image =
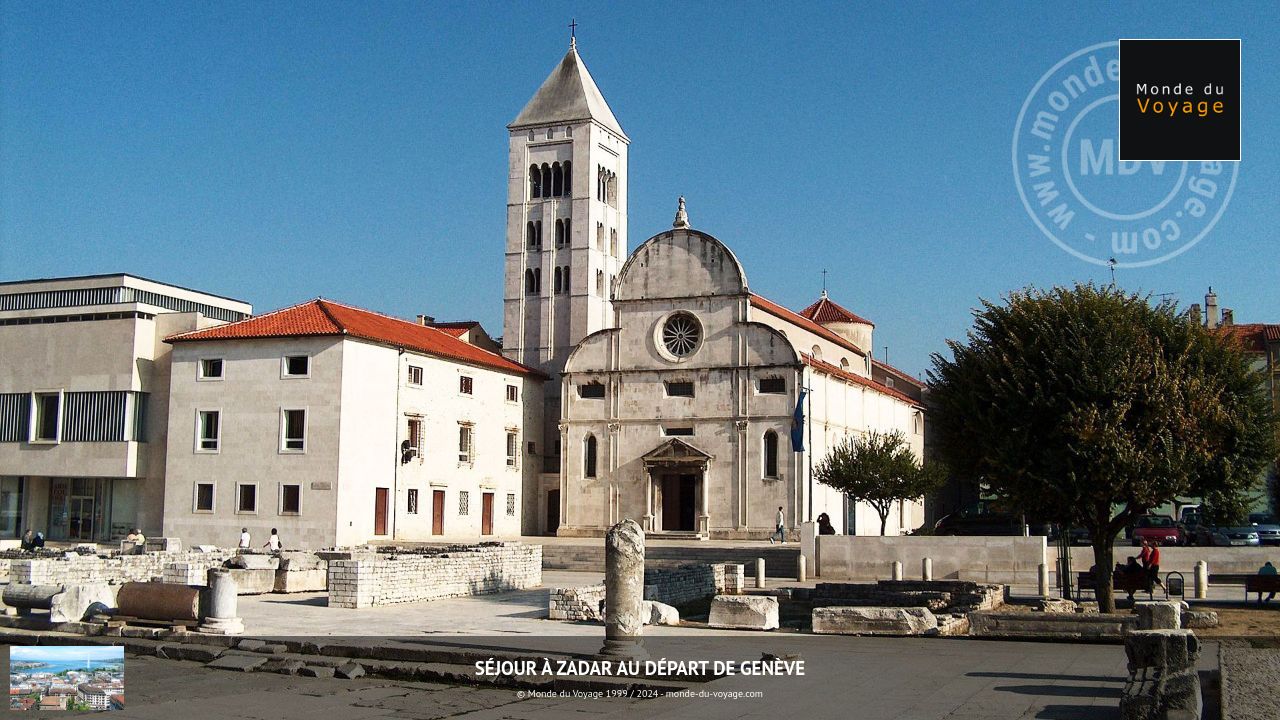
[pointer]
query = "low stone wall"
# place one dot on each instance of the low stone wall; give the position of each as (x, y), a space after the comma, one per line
(670, 586)
(385, 579)
(1005, 560)
(936, 595)
(581, 603)
(1106, 627)
(84, 569)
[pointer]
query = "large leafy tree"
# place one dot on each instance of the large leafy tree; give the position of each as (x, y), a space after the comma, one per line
(1089, 406)
(878, 469)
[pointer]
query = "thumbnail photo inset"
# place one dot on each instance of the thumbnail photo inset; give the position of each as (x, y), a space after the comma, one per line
(69, 677)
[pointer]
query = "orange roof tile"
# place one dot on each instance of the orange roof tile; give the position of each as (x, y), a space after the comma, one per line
(326, 317)
(456, 329)
(791, 316)
(1253, 336)
(829, 369)
(825, 311)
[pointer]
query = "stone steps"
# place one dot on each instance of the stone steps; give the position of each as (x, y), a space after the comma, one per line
(780, 562)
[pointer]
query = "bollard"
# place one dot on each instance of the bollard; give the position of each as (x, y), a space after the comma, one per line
(800, 569)
(897, 570)
(222, 602)
(759, 572)
(1202, 580)
(1043, 578)
(926, 569)
(624, 591)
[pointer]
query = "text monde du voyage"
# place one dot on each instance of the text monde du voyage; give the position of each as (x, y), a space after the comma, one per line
(1180, 99)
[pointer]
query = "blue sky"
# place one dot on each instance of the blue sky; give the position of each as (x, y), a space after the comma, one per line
(276, 152)
(67, 653)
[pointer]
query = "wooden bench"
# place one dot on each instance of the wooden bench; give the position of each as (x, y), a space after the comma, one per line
(1120, 582)
(1261, 584)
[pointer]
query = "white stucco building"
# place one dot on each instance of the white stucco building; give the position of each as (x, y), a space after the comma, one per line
(84, 399)
(338, 426)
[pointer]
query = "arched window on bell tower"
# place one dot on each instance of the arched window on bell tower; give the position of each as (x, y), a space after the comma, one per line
(535, 182)
(568, 177)
(556, 286)
(557, 180)
(589, 457)
(546, 180)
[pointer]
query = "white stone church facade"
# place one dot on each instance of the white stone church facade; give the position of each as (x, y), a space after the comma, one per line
(675, 387)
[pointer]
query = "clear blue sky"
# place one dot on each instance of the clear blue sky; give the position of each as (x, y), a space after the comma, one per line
(276, 152)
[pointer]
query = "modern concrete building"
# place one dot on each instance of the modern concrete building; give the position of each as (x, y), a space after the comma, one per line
(338, 426)
(84, 399)
(682, 413)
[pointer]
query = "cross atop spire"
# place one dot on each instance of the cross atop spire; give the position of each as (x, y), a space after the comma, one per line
(824, 283)
(573, 33)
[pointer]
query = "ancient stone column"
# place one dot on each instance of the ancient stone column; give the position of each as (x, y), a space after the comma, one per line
(759, 572)
(624, 591)
(1042, 580)
(1202, 580)
(221, 618)
(897, 570)
(926, 569)
(801, 575)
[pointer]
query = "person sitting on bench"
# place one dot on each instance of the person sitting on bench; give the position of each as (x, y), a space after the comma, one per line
(1267, 570)
(1131, 569)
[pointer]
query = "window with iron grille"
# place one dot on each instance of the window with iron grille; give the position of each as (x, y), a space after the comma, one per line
(412, 508)
(511, 504)
(464, 502)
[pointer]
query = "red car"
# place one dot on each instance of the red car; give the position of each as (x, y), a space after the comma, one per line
(1159, 529)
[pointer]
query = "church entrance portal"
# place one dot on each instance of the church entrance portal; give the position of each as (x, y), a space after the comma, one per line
(679, 502)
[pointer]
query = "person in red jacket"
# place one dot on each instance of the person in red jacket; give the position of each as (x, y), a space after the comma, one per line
(1150, 559)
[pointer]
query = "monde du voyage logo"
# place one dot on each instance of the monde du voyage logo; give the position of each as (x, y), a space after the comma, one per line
(1107, 198)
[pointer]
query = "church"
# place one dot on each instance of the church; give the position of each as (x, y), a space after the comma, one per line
(678, 397)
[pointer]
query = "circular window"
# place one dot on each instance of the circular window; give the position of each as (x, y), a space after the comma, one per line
(681, 334)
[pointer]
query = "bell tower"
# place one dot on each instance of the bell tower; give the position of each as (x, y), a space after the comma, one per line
(566, 224)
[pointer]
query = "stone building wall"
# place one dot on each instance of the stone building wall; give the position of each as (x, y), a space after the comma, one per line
(582, 603)
(414, 577)
(672, 586)
(80, 569)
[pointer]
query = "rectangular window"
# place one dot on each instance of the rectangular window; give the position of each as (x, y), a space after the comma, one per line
(533, 448)
(412, 506)
(464, 502)
(412, 447)
(465, 384)
(47, 415)
(511, 504)
(888, 382)
(677, 431)
(208, 430)
(290, 499)
(465, 443)
(679, 388)
(593, 390)
(210, 369)
(513, 448)
(293, 431)
(513, 393)
(204, 498)
(246, 498)
(296, 366)
(415, 375)
(773, 385)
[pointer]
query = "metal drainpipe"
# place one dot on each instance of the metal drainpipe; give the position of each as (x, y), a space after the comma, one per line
(395, 473)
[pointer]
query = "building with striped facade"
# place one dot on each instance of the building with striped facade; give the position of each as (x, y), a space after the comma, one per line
(84, 398)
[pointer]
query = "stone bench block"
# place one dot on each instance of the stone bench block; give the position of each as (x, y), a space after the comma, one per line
(845, 620)
(1158, 615)
(744, 612)
(1197, 619)
(656, 613)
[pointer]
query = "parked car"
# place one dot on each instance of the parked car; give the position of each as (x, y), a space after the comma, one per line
(1078, 535)
(1207, 534)
(1191, 522)
(1268, 528)
(985, 518)
(1160, 529)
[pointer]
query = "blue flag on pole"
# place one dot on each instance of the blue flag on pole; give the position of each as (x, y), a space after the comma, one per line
(797, 424)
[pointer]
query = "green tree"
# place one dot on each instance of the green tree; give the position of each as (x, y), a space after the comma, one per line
(1088, 406)
(878, 469)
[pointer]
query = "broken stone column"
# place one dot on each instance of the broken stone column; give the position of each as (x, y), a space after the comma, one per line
(1202, 580)
(801, 575)
(897, 570)
(759, 572)
(223, 595)
(1042, 580)
(926, 569)
(624, 591)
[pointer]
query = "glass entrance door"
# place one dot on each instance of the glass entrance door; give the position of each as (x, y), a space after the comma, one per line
(78, 509)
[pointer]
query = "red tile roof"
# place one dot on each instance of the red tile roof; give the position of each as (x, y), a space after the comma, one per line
(826, 367)
(457, 328)
(900, 374)
(1253, 336)
(825, 311)
(790, 316)
(326, 317)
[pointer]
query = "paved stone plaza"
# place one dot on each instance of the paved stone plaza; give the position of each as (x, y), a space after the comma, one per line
(880, 678)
